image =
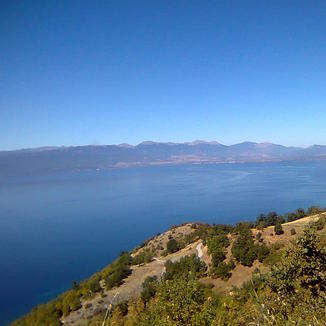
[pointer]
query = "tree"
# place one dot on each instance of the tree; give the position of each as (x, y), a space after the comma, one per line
(172, 246)
(320, 223)
(314, 210)
(302, 265)
(291, 217)
(188, 266)
(222, 270)
(217, 257)
(278, 229)
(262, 252)
(260, 220)
(145, 256)
(178, 303)
(217, 242)
(300, 213)
(149, 288)
(272, 218)
(135, 309)
(95, 286)
(258, 236)
(243, 248)
(117, 318)
(75, 286)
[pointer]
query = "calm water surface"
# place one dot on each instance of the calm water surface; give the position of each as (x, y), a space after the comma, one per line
(59, 228)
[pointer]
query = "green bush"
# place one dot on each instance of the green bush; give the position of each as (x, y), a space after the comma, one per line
(259, 236)
(117, 271)
(123, 307)
(188, 266)
(222, 270)
(278, 229)
(271, 218)
(274, 255)
(216, 248)
(179, 302)
(302, 265)
(262, 252)
(320, 223)
(218, 257)
(313, 210)
(243, 248)
(145, 256)
(172, 246)
(217, 243)
(149, 287)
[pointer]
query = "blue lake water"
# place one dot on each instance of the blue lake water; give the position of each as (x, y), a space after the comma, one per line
(58, 228)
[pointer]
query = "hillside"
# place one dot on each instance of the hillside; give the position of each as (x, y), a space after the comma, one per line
(218, 259)
(54, 159)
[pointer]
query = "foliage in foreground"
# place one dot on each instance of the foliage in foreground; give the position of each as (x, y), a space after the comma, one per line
(293, 293)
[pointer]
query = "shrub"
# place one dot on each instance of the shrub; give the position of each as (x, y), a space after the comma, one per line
(119, 270)
(149, 288)
(45, 314)
(95, 285)
(320, 223)
(145, 256)
(260, 220)
(262, 252)
(185, 267)
(216, 248)
(258, 236)
(217, 243)
(243, 248)
(70, 302)
(218, 257)
(260, 226)
(172, 246)
(271, 219)
(164, 253)
(180, 302)
(293, 232)
(313, 210)
(222, 270)
(303, 265)
(123, 307)
(278, 229)
(209, 285)
(300, 213)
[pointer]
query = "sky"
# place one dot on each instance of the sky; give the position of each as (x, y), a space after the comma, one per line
(104, 72)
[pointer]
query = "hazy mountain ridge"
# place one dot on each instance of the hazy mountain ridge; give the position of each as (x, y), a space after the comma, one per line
(50, 159)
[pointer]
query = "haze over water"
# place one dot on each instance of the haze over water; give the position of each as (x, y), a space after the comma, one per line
(55, 229)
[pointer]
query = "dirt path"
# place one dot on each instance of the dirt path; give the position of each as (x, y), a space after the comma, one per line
(131, 288)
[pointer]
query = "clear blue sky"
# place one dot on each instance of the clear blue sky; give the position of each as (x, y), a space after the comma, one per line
(102, 72)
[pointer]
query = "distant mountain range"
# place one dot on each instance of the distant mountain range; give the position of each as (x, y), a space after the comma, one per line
(91, 157)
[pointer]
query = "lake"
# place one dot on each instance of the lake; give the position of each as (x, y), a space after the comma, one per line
(55, 229)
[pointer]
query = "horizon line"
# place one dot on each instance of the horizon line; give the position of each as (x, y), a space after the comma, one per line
(152, 142)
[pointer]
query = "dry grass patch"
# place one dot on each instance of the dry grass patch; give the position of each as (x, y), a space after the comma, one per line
(269, 236)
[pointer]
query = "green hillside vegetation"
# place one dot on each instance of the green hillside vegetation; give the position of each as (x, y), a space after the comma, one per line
(293, 292)
(50, 313)
(143, 257)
